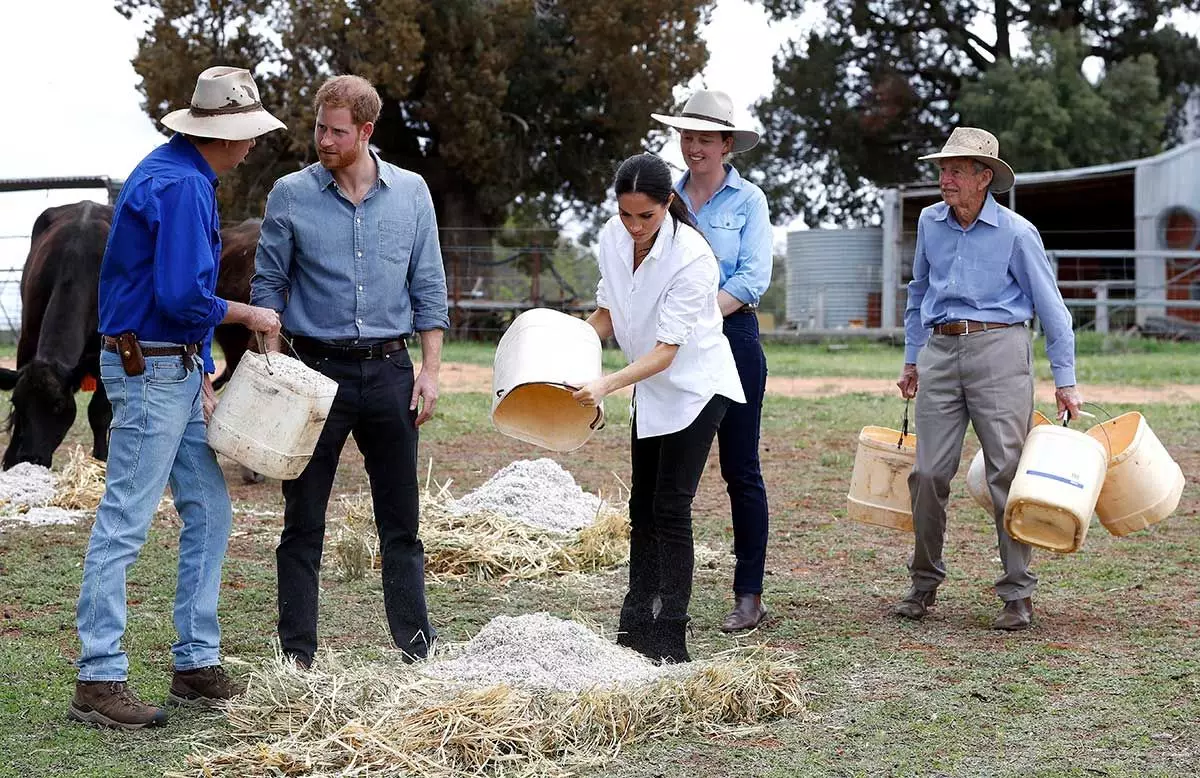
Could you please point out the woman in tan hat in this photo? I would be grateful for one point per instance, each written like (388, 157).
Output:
(732, 214)
(158, 307)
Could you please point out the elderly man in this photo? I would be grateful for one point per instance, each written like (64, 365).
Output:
(157, 313)
(979, 275)
(349, 255)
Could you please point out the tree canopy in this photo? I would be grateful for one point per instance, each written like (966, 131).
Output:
(499, 104)
(880, 82)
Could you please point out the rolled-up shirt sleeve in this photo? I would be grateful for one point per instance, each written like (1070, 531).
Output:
(755, 255)
(1035, 275)
(690, 293)
(426, 273)
(273, 257)
(184, 256)
(601, 294)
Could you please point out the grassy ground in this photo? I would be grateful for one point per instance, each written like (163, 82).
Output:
(1107, 682)
(1108, 360)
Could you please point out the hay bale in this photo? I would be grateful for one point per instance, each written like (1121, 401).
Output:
(388, 718)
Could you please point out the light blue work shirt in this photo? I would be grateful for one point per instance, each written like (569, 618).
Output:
(996, 270)
(737, 224)
(344, 272)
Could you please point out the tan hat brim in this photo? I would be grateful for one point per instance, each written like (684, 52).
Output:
(240, 126)
(1003, 176)
(743, 140)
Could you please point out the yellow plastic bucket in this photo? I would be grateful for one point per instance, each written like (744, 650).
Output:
(1143, 484)
(977, 485)
(879, 485)
(1054, 492)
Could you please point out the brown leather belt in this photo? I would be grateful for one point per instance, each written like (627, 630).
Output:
(747, 308)
(319, 348)
(110, 344)
(967, 327)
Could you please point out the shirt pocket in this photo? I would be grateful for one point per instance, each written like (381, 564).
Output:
(396, 240)
(724, 233)
(984, 278)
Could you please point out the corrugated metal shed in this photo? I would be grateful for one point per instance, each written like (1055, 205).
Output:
(832, 275)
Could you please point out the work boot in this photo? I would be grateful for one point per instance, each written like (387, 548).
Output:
(1017, 614)
(112, 704)
(637, 634)
(915, 604)
(203, 687)
(748, 612)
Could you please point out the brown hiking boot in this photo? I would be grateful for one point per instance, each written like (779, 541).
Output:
(1017, 614)
(112, 704)
(748, 612)
(203, 687)
(916, 603)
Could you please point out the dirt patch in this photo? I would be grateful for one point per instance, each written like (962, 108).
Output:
(1101, 393)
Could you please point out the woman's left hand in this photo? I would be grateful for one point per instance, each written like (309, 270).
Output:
(592, 394)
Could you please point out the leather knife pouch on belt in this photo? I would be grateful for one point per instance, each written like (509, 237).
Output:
(131, 354)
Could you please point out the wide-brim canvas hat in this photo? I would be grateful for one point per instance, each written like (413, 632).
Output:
(710, 111)
(226, 106)
(981, 145)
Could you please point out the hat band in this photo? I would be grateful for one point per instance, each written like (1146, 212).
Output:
(226, 110)
(706, 118)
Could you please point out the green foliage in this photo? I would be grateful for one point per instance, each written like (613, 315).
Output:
(1048, 116)
(878, 83)
(494, 102)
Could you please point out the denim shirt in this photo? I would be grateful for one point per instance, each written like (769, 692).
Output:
(346, 272)
(996, 270)
(737, 224)
(158, 278)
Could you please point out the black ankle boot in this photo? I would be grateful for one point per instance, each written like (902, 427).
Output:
(670, 640)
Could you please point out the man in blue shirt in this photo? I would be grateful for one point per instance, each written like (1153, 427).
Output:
(349, 255)
(157, 313)
(733, 216)
(979, 275)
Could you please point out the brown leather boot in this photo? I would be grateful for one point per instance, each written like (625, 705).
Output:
(1017, 614)
(748, 612)
(916, 603)
(112, 704)
(203, 687)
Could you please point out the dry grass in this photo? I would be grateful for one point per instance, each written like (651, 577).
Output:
(80, 483)
(387, 719)
(481, 546)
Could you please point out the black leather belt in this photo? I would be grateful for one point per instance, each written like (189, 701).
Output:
(110, 344)
(747, 308)
(319, 348)
(967, 327)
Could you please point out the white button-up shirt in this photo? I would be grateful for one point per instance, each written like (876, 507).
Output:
(672, 298)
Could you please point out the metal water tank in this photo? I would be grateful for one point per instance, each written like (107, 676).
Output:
(831, 275)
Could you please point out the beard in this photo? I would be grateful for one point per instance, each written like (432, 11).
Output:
(339, 160)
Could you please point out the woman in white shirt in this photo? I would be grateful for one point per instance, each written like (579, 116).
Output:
(658, 297)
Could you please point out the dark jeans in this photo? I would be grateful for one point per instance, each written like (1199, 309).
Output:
(738, 441)
(666, 472)
(372, 403)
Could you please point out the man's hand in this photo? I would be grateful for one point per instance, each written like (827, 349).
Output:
(425, 388)
(1068, 399)
(591, 395)
(908, 382)
(208, 398)
(254, 317)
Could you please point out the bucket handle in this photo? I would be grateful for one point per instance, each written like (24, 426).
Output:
(262, 349)
(903, 425)
(595, 424)
(1066, 417)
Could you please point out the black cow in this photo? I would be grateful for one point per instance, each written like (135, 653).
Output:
(59, 344)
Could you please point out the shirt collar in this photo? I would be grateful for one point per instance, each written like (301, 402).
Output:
(189, 151)
(325, 178)
(989, 214)
(733, 179)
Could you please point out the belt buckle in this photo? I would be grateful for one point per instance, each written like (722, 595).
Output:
(361, 352)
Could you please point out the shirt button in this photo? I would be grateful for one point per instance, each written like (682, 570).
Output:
(357, 221)
(359, 321)
(360, 253)
(360, 287)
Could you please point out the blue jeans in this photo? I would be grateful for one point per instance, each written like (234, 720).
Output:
(157, 436)
(737, 442)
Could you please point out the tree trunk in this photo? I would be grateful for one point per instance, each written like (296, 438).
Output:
(1003, 44)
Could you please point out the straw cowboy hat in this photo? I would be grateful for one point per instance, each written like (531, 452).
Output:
(226, 106)
(982, 146)
(710, 111)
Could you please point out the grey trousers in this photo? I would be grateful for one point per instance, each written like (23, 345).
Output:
(985, 378)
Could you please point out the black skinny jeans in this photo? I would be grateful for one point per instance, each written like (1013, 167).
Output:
(666, 473)
(372, 403)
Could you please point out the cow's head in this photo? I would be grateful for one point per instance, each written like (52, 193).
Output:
(43, 410)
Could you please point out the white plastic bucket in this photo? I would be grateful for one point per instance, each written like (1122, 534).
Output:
(977, 485)
(879, 485)
(270, 420)
(1143, 484)
(1054, 492)
(543, 357)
